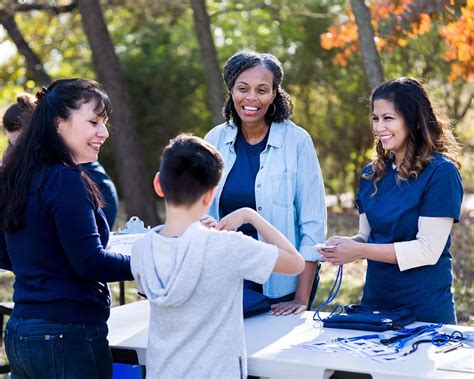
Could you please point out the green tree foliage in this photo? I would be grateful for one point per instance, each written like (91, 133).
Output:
(159, 51)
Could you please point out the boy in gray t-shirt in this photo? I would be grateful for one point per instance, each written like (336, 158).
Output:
(193, 275)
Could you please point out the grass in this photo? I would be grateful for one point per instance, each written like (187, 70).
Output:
(345, 223)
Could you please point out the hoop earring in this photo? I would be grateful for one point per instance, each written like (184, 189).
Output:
(274, 110)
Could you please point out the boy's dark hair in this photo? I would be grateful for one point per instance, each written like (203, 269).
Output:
(189, 168)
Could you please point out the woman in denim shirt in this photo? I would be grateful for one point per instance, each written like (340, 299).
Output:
(272, 167)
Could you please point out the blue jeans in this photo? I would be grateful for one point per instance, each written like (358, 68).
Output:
(44, 349)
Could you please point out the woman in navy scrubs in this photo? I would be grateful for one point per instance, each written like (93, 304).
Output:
(409, 197)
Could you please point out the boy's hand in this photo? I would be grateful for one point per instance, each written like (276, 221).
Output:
(234, 220)
(208, 221)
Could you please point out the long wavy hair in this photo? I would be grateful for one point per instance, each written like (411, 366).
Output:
(428, 130)
(243, 60)
(40, 144)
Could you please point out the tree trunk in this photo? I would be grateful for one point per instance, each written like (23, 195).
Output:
(34, 67)
(212, 73)
(135, 185)
(370, 56)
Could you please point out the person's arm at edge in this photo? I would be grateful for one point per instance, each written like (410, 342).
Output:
(304, 286)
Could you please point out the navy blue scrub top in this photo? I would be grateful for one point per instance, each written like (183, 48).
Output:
(393, 217)
(239, 188)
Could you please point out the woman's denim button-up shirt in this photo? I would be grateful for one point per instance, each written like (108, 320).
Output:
(289, 191)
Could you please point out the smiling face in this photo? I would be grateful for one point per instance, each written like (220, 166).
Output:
(83, 133)
(252, 95)
(390, 128)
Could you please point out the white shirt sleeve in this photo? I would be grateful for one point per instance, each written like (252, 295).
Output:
(257, 259)
(364, 228)
(426, 249)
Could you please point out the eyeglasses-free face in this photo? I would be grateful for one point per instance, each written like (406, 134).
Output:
(253, 94)
(84, 133)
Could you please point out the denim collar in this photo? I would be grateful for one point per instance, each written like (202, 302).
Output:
(275, 139)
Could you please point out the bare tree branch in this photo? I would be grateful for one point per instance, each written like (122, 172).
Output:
(34, 66)
(212, 74)
(295, 11)
(467, 107)
(370, 56)
(56, 9)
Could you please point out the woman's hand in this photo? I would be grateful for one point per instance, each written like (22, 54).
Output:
(208, 221)
(288, 307)
(340, 250)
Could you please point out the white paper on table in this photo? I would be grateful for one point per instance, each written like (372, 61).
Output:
(362, 348)
(122, 243)
(461, 360)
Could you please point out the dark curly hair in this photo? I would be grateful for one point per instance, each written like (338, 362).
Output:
(18, 114)
(244, 60)
(428, 132)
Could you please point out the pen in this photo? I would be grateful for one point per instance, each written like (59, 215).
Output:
(449, 348)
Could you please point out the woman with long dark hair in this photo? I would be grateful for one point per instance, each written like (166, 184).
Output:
(409, 197)
(53, 237)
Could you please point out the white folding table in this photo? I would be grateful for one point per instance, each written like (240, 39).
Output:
(272, 349)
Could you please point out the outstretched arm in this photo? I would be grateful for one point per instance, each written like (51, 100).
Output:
(289, 261)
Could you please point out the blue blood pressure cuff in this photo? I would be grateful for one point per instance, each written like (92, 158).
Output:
(357, 317)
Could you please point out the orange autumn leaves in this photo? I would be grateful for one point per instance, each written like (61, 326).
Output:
(396, 22)
(459, 36)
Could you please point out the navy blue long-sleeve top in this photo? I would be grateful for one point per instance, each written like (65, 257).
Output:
(58, 256)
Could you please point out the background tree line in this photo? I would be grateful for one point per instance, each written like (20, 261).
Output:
(161, 61)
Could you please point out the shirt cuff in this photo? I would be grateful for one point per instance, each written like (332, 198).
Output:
(310, 254)
(405, 252)
(364, 227)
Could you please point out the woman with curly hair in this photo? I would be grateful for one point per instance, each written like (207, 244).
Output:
(409, 197)
(272, 167)
(16, 116)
